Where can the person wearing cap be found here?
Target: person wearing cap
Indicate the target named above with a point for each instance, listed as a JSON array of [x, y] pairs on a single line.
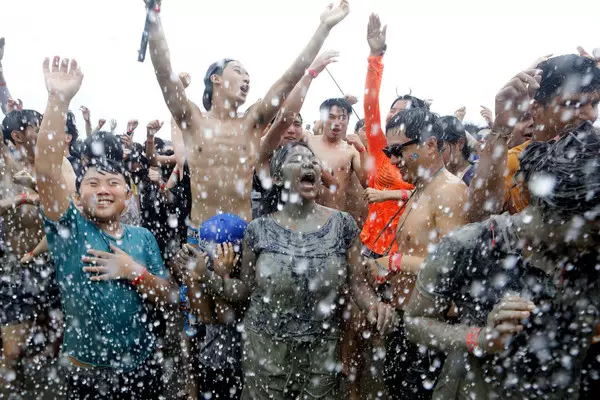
[[222, 146], [110, 275]]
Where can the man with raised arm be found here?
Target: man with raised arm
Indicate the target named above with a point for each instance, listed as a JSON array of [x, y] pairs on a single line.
[[109, 274], [222, 147]]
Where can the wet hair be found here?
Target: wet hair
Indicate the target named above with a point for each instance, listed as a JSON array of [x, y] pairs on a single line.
[[452, 130], [159, 144], [271, 201], [104, 166], [472, 128], [567, 74], [417, 123], [215, 68], [414, 102], [571, 166], [137, 156], [102, 144], [72, 130], [328, 104], [359, 125], [19, 120]]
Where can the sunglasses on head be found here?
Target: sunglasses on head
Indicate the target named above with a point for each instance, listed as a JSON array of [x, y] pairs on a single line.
[[397, 149]]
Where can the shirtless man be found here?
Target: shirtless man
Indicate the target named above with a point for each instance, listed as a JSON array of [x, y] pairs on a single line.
[[434, 209], [22, 231], [222, 147], [339, 153]]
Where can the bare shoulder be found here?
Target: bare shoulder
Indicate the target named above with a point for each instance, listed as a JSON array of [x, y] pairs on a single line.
[[453, 191]]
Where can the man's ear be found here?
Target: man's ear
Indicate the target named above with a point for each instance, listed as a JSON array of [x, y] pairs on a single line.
[[432, 146], [214, 78], [17, 136], [277, 180], [68, 138]]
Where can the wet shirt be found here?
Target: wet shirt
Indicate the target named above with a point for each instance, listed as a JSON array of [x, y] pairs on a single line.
[[478, 265], [299, 278], [515, 198], [107, 324], [382, 174]]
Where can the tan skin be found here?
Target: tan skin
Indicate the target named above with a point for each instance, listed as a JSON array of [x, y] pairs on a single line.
[[434, 210], [453, 157], [222, 147], [339, 156]]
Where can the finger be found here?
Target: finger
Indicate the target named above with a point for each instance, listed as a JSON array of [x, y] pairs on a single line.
[[46, 65], [74, 66], [372, 316], [100, 254], [384, 31], [505, 328], [64, 65], [194, 251], [95, 261], [504, 315], [528, 79], [517, 305], [99, 269], [583, 53], [105, 277]]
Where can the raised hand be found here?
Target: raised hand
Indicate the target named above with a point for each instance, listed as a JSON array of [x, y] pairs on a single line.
[[24, 178], [376, 36], [503, 322], [113, 125], [131, 125], [539, 60], [460, 113], [86, 113], [350, 99], [487, 114], [514, 100], [353, 140], [101, 123], [186, 79], [153, 127], [155, 176], [594, 56], [225, 259], [334, 15], [63, 78], [324, 59], [14, 105]]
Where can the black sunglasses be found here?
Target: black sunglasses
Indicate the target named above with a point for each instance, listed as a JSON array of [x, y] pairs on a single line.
[[397, 149]]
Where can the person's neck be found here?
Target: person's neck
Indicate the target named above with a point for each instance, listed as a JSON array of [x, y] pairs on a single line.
[[330, 141], [544, 134], [434, 170], [112, 228], [223, 109], [26, 157], [457, 169], [298, 210]]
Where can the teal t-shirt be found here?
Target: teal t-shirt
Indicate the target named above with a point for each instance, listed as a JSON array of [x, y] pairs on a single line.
[[107, 324]]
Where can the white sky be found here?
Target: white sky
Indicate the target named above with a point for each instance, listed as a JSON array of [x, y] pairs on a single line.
[[456, 52]]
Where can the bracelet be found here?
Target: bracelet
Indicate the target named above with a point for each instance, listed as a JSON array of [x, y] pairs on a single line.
[[30, 254], [140, 278], [404, 196], [313, 72], [473, 339], [362, 150], [156, 8], [22, 198], [163, 187], [395, 262], [2, 83]]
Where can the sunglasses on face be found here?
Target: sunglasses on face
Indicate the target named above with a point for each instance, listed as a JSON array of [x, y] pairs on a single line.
[[397, 149]]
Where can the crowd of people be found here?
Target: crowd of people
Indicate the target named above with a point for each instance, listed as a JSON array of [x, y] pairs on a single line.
[[419, 257]]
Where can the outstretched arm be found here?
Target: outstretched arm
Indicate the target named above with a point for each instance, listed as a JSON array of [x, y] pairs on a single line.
[[4, 93], [171, 87], [63, 80], [268, 107]]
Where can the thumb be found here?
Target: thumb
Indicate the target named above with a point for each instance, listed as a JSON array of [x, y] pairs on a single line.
[[193, 251], [384, 30]]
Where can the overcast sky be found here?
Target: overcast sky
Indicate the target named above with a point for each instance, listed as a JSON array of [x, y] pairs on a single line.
[[456, 52]]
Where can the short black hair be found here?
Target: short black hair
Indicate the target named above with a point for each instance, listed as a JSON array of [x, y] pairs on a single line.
[[73, 131], [359, 125], [571, 167], [472, 128], [19, 120], [102, 165], [159, 144], [414, 102], [102, 144], [137, 155], [452, 130], [417, 123], [328, 104], [215, 68], [567, 74]]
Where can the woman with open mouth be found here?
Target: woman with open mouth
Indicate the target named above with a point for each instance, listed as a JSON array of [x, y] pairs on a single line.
[[298, 261]]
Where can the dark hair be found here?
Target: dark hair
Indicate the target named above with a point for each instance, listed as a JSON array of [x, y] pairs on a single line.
[[328, 104], [271, 201], [413, 102], [472, 128], [104, 166], [452, 131], [571, 166], [102, 144], [72, 130], [567, 74], [159, 144], [19, 120], [359, 125], [417, 123], [215, 68], [138, 156]]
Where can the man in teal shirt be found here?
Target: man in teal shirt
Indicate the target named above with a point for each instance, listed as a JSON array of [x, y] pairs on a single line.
[[108, 273]]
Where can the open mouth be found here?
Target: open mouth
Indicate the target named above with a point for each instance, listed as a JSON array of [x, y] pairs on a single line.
[[245, 89], [308, 179], [103, 203]]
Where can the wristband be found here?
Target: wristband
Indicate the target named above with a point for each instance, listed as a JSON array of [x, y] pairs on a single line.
[[22, 198], [404, 196], [163, 187], [362, 150], [139, 278], [473, 339], [395, 262], [313, 72], [30, 254], [156, 8], [2, 83]]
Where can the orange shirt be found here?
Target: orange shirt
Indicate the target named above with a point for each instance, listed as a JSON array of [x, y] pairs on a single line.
[[382, 174], [515, 197]]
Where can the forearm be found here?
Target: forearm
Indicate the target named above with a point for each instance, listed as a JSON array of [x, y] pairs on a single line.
[[432, 332], [4, 92], [158, 291], [399, 195], [230, 289], [88, 128], [410, 265], [10, 203], [486, 192], [307, 56], [364, 296], [41, 248], [51, 139], [361, 172], [150, 151]]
